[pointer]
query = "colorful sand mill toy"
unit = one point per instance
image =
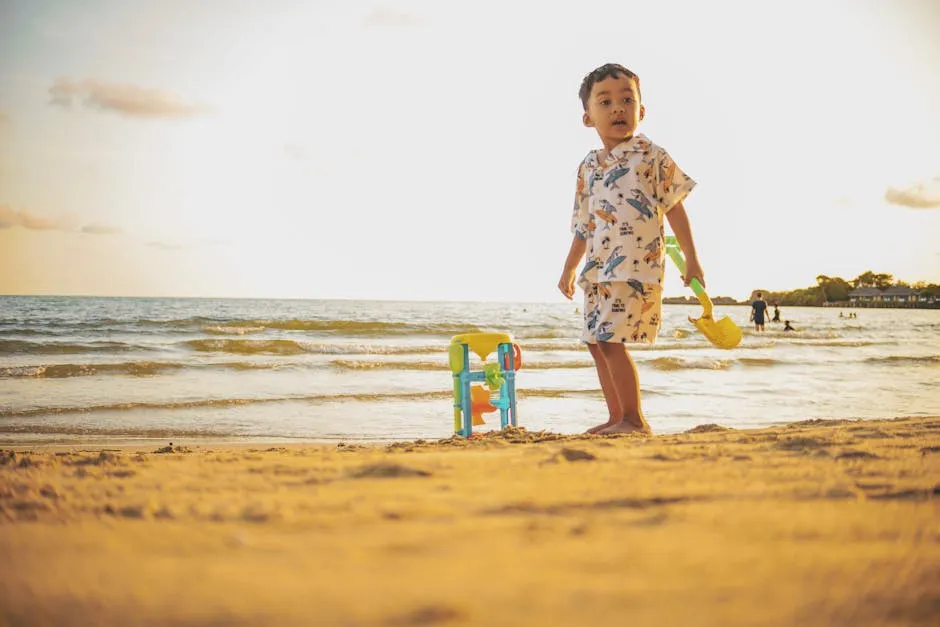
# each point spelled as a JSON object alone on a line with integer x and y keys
{"x": 472, "y": 401}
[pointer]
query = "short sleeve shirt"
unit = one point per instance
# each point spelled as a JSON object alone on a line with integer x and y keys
{"x": 619, "y": 207}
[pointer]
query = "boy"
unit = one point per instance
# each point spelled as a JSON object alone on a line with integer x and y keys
{"x": 623, "y": 191}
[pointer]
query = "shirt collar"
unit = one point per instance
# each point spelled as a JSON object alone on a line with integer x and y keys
{"x": 637, "y": 143}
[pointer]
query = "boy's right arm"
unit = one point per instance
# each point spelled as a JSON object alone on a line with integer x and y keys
{"x": 579, "y": 227}
{"x": 575, "y": 253}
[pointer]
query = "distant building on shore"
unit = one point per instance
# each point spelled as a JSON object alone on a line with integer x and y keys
{"x": 897, "y": 296}
{"x": 865, "y": 295}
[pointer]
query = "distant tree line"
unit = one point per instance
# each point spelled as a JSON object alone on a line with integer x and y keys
{"x": 836, "y": 289}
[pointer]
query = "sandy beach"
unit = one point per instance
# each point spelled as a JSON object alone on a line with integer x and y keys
{"x": 814, "y": 523}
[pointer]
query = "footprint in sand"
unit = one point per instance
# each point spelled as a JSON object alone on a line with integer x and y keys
{"x": 386, "y": 470}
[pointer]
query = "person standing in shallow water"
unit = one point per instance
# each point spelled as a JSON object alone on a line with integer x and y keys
{"x": 776, "y": 317}
{"x": 624, "y": 191}
{"x": 758, "y": 311}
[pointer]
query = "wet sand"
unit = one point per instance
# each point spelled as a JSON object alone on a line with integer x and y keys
{"x": 814, "y": 523}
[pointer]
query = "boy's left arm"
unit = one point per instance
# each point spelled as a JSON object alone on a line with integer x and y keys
{"x": 679, "y": 221}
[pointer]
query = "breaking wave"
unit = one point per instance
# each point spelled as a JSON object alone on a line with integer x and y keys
{"x": 927, "y": 360}
{"x": 25, "y": 347}
{"x": 222, "y": 403}
{"x": 130, "y": 368}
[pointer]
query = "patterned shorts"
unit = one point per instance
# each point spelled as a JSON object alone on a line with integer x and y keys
{"x": 618, "y": 311}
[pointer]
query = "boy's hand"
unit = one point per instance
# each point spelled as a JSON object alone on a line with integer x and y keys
{"x": 693, "y": 270}
{"x": 566, "y": 283}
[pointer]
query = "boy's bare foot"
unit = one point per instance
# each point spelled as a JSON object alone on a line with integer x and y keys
{"x": 626, "y": 427}
{"x": 596, "y": 429}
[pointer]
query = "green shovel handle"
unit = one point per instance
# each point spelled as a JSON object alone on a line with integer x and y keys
{"x": 672, "y": 249}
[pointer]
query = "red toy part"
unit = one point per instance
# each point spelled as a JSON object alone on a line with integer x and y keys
{"x": 517, "y": 358}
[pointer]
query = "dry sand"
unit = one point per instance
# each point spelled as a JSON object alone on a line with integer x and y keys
{"x": 816, "y": 523}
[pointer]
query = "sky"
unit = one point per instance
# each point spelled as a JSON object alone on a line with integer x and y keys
{"x": 427, "y": 150}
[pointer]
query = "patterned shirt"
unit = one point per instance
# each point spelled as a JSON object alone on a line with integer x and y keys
{"x": 619, "y": 207}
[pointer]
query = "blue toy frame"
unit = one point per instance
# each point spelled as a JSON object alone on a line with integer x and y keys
{"x": 507, "y": 392}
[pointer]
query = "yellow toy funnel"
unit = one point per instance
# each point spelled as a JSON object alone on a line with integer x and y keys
{"x": 481, "y": 343}
{"x": 723, "y": 333}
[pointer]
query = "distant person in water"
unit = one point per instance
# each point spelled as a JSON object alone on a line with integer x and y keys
{"x": 787, "y": 327}
{"x": 758, "y": 312}
{"x": 776, "y": 317}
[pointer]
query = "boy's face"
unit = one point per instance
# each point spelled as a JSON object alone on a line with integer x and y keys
{"x": 614, "y": 109}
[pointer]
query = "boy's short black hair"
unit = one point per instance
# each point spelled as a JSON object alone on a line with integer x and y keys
{"x": 607, "y": 70}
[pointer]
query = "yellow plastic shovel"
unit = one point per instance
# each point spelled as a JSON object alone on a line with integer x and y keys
{"x": 724, "y": 333}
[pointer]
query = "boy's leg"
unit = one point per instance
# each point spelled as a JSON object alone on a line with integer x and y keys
{"x": 626, "y": 383}
{"x": 607, "y": 386}
{"x": 589, "y": 337}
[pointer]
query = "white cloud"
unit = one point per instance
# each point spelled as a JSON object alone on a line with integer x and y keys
{"x": 296, "y": 152}
{"x": 165, "y": 246}
{"x": 10, "y": 217}
{"x": 381, "y": 16}
{"x": 128, "y": 100}
{"x": 96, "y": 228}
{"x": 184, "y": 245}
{"x": 917, "y": 196}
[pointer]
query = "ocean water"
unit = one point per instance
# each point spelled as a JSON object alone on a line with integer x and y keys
{"x": 76, "y": 369}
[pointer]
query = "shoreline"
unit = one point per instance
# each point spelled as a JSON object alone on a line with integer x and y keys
{"x": 814, "y": 523}
{"x": 134, "y": 443}
{"x": 131, "y": 442}
{"x": 115, "y": 442}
